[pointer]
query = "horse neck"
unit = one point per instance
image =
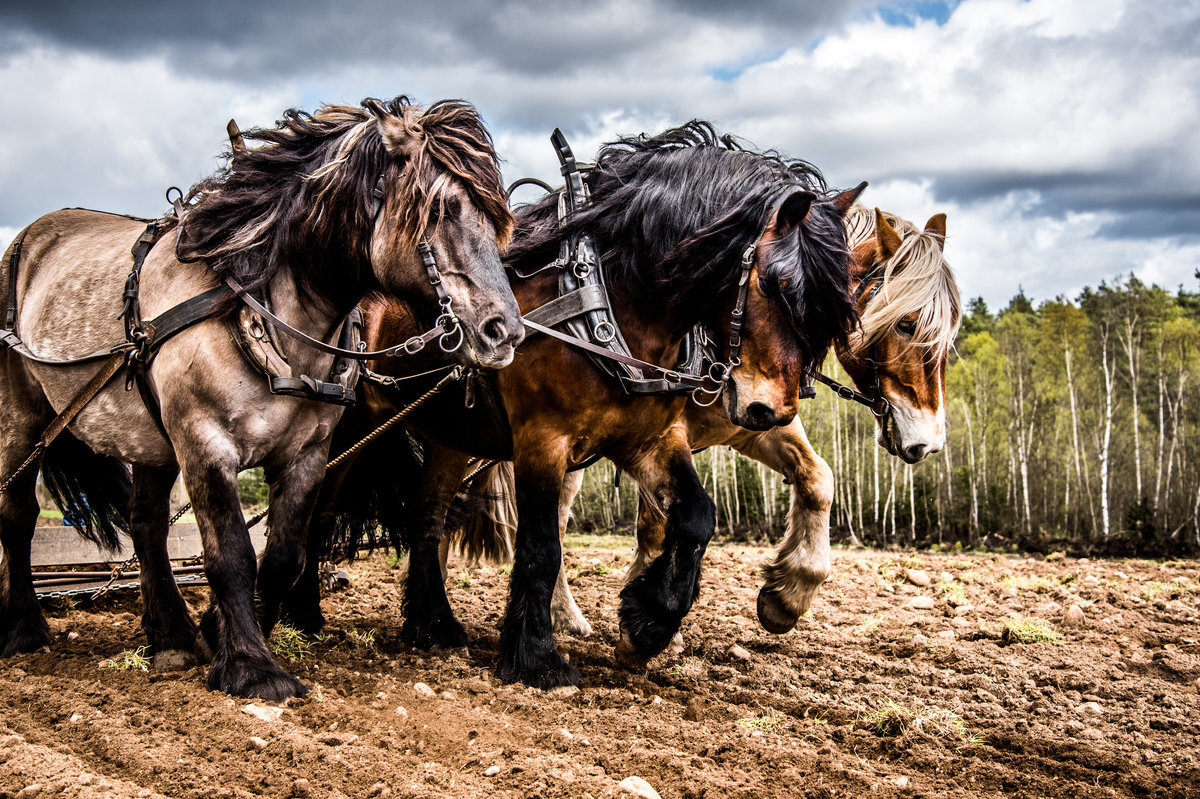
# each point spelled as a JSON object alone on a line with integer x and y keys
{"x": 312, "y": 313}
{"x": 652, "y": 333}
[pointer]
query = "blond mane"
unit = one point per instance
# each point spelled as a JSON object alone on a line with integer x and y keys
{"x": 916, "y": 279}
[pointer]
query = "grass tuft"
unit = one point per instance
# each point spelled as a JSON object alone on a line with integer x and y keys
{"x": 766, "y": 721}
{"x": 129, "y": 659}
{"x": 894, "y": 719}
{"x": 1028, "y": 631}
{"x": 361, "y": 640}
{"x": 290, "y": 643}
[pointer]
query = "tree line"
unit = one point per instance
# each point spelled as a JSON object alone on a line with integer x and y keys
{"x": 1072, "y": 424}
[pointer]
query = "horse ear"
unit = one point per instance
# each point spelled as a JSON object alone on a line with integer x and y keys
{"x": 846, "y": 199}
{"x": 937, "y": 226}
{"x": 792, "y": 210}
{"x": 237, "y": 144}
{"x": 886, "y": 237}
{"x": 399, "y": 137}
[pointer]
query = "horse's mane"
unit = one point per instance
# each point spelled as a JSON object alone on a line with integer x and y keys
{"x": 672, "y": 214}
{"x": 917, "y": 279}
{"x": 304, "y": 200}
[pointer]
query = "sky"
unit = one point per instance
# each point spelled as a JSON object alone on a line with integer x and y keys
{"x": 1061, "y": 137}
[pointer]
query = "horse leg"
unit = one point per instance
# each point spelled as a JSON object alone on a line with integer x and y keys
{"x": 242, "y": 665}
{"x": 802, "y": 561}
{"x": 654, "y": 603}
{"x": 294, "y": 491}
{"x": 22, "y": 626}
{"x": 527, "y": 651}
{"x": 568, "y": 618}
{"x": 166, "y": 617}
{"x": 428, "y": 619}
{"x": 302, "y": 606}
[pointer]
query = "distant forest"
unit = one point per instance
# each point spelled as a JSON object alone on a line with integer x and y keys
{"x": 1073, "y": 425}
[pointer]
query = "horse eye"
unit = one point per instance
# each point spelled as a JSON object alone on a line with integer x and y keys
{"x": 907, "y": 328}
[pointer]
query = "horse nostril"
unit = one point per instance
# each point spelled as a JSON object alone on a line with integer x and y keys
{"x": 760, "y": 415}
{"x": 494, "y": 331}
{"x": 915, "y": 453}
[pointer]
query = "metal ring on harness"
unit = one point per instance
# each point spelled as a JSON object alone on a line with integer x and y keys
{"x": 454, "y": 332}
{"x": 713, "y": 394}
{"x": 604, "y": 332}
{"x": 581, "y": 269}
{"x": 178, "y": 195}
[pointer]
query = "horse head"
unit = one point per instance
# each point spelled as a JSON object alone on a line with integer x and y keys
{"x": 796, "y": 304}
{"x": 443, "y": 216}
{"x": 910, "y": 309}
{"x": 385, "y": 196}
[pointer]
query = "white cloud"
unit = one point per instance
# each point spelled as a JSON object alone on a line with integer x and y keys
{"x": 1034, "y": 125}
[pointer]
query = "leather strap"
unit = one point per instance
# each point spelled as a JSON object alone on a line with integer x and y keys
{"x": 568, "y": 306}
{"x": 184, "y": 315}
{"x": 85, "y": 395}
{"x": 14, "y": 260}
{"x": 669, "y": 375}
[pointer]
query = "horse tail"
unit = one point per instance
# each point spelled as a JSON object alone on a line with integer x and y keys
{"x": 375, "y": 502}
{"x": 484, "y": 517}
{"x": 93, "y": 491}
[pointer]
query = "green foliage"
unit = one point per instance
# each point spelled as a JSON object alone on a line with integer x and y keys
{"x": 253, "y": 490}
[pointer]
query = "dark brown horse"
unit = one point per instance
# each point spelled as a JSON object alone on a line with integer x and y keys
{"x": 672, "y": 217}
{"x": 329, "y": 207}
{"x": 909, "y": 305}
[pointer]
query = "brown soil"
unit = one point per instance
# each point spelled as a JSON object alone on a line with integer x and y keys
{"x": 855, "y": 701}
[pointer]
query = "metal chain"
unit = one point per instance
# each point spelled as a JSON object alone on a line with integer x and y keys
{"x": 33, "y": 456}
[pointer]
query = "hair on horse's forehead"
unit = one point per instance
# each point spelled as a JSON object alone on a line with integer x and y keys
{"x": 916, "y": 279}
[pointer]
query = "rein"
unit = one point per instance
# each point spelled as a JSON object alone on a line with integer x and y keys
{"x": 879, "y": 404}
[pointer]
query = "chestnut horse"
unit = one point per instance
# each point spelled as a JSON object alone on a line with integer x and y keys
{"x": 909, "y": 307}
{"x": 673, "y": 217}
{"x": 330, "y": 207}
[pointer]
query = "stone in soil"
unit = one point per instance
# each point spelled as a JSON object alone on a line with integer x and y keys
{"x": 921, "y": 603}
{"x": 739, "y": 652}
{"x": 638, "y": 787}
{"x": 1073, "y": 617}
{"x": 917, "y": 577}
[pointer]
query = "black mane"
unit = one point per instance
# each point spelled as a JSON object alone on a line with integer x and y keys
{"x": 672, "y": 214}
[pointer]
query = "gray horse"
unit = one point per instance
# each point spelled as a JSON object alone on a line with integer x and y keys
{"x": 327, "y": 208}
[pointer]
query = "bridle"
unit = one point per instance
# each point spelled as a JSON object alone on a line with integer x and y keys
{"x": 875, "y": 400}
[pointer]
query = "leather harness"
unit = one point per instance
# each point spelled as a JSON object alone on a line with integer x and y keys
{"x": 583, "y": 307}
{"x": 143, "y": 338}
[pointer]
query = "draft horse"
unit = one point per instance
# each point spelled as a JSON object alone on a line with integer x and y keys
{"x": 690, "y": 228}
{"x": 385, "y": 198}
{"x": 909, "y": 307}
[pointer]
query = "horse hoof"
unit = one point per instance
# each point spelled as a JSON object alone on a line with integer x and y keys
{"x": 773, "y": 615}
{"x": 676, "y": 645}
{"x": 627, "y": 655}
{"x": 574, "y": 624}
{"x": 549, "y": 671}
{"x": 255, "y": 679}
{"x": 445, "y": 634}
{"x": 202, "y": 650}
{"x": 173, "y": 660}
{"x": 24, "y": 638}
